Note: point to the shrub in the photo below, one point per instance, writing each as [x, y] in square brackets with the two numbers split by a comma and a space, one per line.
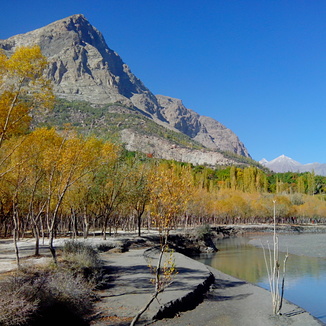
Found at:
[15, 310]
[63, 288]
[35, 296]
[18, 300]
[81, 255]
[297, 199]
[82, 259]
[203, 232]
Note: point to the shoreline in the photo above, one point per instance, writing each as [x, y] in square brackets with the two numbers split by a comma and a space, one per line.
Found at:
[233, 302]
[230, 301]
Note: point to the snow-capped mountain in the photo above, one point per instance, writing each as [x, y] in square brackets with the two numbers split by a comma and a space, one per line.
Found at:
[286, 164]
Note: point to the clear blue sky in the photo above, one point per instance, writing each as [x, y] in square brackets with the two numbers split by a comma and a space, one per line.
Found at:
[258, 67]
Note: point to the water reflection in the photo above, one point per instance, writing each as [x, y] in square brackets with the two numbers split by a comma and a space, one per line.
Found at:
[305, 281]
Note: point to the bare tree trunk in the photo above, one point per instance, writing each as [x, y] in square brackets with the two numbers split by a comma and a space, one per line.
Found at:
[273, 270]
[51, 247]
[139, 223]
[159, 285]
[74, 224]
[36, 230]
[141, 311]
[105, 225]
[36, 233]
[86, 224]
[15, 239]
[42, 231]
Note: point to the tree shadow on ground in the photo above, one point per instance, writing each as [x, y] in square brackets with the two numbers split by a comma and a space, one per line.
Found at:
[294, 312]
[223, 285]
[217, 297]
[58, 314]
[121, 280]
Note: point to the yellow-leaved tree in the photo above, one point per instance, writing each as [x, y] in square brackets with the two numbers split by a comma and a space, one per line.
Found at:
[23, 89]
[171, 187]
[67, 163]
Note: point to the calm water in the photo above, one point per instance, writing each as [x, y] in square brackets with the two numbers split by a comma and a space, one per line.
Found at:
[305, 282]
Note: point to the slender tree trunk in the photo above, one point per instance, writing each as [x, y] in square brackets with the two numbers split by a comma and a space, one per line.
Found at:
[141, 311]
[74, 224]
[158, 284]
[42, 231]
[51, 247]
[15, 229]
[105, 225]
[139, 224]
[36, 233]
[86, 224]
[37, 243]
[15, 239]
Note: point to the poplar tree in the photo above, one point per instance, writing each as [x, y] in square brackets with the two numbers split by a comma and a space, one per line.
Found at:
[23, 90]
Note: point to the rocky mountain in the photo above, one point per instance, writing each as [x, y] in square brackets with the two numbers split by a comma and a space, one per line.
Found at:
[84, 69]
[206, 131]
[286, 164]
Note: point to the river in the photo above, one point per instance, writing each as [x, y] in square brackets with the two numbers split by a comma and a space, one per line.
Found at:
[305, 280]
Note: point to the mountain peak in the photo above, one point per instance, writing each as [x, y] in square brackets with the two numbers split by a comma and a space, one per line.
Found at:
[263, 161]
[83, 68]
[284, 163]
[75, 19]
[285, 160]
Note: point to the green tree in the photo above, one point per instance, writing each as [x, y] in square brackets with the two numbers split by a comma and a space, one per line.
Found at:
[301, 185]
[311, 183]
[233, 177]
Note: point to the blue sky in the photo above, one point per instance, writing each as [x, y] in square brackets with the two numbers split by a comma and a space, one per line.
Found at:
[258, 67]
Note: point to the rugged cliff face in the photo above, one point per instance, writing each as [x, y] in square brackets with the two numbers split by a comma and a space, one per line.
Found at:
[164, 149]
[204, 130]
[83, 68]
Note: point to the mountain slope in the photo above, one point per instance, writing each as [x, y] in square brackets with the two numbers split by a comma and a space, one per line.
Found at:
[83, 68]
[204, 130]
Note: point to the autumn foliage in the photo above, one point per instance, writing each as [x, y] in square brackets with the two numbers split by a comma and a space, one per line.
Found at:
[64, 183]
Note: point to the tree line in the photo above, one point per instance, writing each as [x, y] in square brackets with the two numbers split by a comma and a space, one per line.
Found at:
[254, 179]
